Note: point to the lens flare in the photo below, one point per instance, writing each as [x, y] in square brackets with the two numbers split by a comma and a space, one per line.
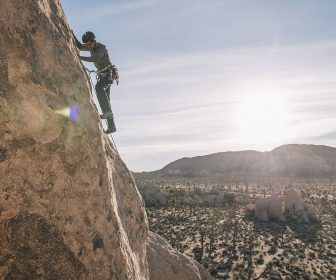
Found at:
[74, 112]
[69, 112]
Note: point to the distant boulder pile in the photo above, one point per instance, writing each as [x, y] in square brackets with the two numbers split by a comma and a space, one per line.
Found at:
[296, 209]
[271, 209]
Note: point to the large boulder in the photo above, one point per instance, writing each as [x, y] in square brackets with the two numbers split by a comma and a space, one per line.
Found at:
[167, 264]
[269, 208]
[296, 209]
[69, 207]
[293, 202]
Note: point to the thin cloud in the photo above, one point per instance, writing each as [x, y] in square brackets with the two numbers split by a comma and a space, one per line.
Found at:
[208, 110]
[187, 67]
[108, 9]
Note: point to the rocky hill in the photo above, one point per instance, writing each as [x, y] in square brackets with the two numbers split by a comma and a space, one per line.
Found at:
[289, 160]
[69, 207]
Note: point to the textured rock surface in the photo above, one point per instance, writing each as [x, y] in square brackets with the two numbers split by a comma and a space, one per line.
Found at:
[62, 216]
[297, 209]
[269, 208]
[167, 264]
[69, 207]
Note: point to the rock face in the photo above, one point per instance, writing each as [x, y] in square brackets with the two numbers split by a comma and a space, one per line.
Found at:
[167, 264]
[68, 204]
[269, 208]
[69, 207]
[297, 209]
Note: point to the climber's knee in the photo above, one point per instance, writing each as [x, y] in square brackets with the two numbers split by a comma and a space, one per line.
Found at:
[98, 87]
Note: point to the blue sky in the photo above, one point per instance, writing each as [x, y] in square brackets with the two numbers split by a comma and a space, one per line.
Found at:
[200, 77]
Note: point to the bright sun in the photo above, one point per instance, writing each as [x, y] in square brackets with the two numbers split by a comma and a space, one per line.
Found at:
[263, 119]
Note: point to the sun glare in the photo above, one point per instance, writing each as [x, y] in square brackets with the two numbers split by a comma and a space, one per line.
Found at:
[263, 119]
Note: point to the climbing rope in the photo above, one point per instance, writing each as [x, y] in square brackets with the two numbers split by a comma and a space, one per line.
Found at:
[88, 75]
[114, 144]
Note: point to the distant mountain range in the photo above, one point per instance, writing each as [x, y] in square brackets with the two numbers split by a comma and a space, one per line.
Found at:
[294, 160]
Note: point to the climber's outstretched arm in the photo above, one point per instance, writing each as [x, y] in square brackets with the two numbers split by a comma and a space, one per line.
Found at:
[98, 55]
[79, 45]
[87, 58]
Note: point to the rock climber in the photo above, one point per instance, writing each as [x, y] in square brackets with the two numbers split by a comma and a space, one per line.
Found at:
[106, 74]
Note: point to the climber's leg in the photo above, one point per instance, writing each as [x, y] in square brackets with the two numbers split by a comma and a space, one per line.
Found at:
[107, 90]
[102, 84]
[103, 95]
[111, 125]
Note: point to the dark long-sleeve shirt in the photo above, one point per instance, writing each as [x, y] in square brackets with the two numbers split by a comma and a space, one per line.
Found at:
[99, 55]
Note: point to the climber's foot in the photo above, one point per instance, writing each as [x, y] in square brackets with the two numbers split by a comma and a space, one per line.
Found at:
[110, 130]
[106, 115]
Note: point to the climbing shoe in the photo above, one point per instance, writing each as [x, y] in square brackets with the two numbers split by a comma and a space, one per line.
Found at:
[110, 130]
[111, 126]
[106, 115]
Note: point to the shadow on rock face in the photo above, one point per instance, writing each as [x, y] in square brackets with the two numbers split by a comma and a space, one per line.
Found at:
[3, 154]
[39, 251]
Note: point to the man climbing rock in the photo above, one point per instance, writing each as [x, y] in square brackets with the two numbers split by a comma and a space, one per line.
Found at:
[106, 74]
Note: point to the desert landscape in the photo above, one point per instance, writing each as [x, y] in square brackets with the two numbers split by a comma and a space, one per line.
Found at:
[206, 218]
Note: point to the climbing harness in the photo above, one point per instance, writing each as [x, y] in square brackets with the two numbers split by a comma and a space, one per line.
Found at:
[111, 70]
[91, 90]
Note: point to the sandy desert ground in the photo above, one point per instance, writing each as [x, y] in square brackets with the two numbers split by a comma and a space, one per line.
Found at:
[232, 246]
